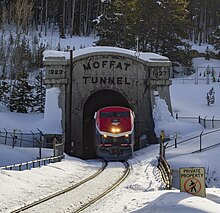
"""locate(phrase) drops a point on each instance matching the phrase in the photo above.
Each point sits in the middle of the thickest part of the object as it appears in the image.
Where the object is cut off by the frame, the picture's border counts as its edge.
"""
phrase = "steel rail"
(110, 189)
(28, 206)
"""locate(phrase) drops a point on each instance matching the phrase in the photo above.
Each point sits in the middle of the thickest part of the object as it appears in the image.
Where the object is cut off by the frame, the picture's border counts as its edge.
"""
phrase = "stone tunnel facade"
(97, 77)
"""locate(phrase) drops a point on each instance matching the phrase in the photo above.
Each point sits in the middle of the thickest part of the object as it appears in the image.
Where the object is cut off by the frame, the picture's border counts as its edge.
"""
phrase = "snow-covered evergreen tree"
(4, 92)
(21, 99)
(40, 91)
(210, 97)
(21, 58)
(216, 39)
(115, 25)
(159, 25)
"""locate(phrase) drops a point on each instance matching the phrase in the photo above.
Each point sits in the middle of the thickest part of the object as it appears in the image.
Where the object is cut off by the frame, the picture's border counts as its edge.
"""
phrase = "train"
(114, 134)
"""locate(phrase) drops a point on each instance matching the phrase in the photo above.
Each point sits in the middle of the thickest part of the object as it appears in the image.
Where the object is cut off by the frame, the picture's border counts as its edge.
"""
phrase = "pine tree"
(159, 25)
(114, 25)
(1, 92)
(21, 99)
(216, 40)
(210, 97)
(13, 98)
(168, 24)
(4, 92)
(184, 56)
(40, 91)
(21, 59)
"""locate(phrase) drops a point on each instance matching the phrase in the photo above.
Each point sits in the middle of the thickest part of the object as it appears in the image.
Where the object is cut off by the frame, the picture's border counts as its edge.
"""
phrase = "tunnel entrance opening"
(96, 101)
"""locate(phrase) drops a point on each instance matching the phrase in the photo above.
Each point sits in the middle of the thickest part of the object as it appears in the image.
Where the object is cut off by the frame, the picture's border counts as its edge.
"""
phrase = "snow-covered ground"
(143, 190)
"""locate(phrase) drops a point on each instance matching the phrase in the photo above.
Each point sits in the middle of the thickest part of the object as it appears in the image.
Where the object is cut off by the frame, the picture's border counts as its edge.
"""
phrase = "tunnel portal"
(96, 77)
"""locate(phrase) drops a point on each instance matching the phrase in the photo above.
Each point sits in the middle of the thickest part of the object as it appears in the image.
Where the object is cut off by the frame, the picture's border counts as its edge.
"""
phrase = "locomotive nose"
(115, 122)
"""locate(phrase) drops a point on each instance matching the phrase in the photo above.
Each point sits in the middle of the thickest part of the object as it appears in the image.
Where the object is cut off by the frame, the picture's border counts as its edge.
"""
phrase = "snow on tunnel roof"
(146, 56)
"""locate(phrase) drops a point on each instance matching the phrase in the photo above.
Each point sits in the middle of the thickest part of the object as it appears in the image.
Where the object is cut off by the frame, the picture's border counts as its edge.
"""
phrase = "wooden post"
(162, 136)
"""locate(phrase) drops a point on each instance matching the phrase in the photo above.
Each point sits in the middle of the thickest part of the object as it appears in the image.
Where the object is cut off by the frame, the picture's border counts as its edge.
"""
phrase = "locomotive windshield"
(115, 114)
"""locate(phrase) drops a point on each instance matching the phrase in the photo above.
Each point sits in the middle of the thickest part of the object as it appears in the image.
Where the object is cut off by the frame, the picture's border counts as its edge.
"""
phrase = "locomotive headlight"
(118, 130)
(115, 130)
(105, 136)
(126, 135)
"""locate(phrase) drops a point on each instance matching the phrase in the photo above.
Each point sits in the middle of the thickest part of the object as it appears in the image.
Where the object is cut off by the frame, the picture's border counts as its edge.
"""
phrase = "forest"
(166, 27)
(199, 19)
(159, 24)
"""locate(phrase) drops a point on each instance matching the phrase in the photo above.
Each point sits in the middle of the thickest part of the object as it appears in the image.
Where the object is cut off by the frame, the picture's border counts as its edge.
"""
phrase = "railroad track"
(56, 194)
(120, 180)
(75, 203)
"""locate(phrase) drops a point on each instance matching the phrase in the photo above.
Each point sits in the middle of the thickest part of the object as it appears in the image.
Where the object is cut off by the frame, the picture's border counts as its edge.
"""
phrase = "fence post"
(32, 138)
(177, 116)
(21, 137)
(40, 150)
(13, 138)
(205, 122)
(41, 136)
(175, 142)
(54, 147)
(6, 136)
(200, 141)
(41, 143)
(213, 122)
(199, 119)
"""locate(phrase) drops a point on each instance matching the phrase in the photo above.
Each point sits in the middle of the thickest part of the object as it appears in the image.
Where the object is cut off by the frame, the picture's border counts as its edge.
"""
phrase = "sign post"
(175, 136)
(192, 181)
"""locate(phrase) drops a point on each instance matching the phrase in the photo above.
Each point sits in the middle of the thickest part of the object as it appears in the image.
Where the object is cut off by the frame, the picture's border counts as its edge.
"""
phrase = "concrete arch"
(106, 54)
(96, 101)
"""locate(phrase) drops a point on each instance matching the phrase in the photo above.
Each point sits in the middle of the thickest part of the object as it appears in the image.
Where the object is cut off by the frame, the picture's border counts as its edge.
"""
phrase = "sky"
(143, 190)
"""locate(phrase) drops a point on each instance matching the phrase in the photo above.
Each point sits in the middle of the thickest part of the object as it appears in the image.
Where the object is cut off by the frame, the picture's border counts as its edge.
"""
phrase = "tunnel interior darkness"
(96, 101)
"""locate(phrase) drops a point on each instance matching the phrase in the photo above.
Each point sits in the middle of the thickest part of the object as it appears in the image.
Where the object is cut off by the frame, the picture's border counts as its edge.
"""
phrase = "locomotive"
(114, 132)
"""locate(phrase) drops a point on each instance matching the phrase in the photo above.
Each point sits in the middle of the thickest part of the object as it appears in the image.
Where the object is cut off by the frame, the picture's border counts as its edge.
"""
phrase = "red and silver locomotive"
(114, 132)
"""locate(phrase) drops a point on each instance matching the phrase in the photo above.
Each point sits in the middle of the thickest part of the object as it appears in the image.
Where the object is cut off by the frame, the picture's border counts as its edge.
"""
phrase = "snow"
(150, 57)
(53, 113)
(143, 190)
(165, 121)
(203, 47)
(52, 39)
(50, 122)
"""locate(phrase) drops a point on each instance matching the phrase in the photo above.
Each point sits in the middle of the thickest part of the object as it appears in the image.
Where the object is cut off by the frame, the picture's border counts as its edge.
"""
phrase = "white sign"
(192, 181)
